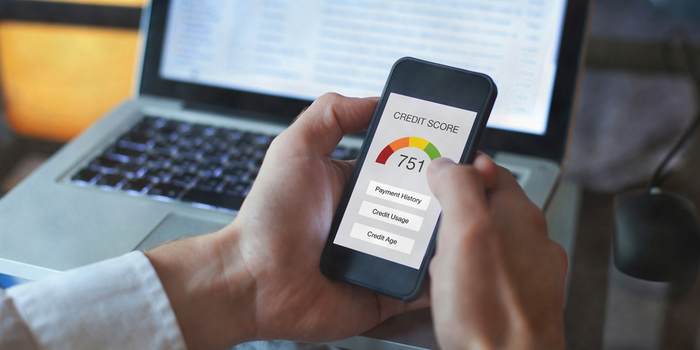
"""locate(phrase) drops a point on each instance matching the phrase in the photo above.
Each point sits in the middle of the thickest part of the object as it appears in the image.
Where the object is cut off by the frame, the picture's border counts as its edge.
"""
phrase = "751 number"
(411, 163)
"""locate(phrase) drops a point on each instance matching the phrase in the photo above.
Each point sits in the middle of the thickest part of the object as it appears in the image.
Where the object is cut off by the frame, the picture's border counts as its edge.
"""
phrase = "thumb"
(459, 189)
(319, 129)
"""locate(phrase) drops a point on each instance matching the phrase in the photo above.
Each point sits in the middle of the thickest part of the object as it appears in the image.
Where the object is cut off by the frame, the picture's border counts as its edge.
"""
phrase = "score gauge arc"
(416, 142)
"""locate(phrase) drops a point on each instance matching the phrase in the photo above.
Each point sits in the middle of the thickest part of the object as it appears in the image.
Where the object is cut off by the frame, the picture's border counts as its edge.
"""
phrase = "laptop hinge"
(165, 102)
(239, 113)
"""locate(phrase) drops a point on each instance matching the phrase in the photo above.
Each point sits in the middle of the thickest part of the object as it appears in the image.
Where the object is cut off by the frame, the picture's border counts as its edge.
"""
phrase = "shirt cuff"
(114, 304)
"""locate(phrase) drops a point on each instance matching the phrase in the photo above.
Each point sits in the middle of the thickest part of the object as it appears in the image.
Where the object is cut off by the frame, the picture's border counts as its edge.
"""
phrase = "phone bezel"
(431, 82)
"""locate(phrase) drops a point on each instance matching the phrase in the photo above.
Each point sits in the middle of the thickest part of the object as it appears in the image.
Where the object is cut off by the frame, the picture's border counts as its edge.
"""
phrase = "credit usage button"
(398, 195)
(382, 238)
(390, 215)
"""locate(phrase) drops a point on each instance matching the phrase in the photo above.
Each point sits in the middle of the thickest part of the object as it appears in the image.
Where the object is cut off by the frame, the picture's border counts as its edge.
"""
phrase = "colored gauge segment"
(416, 142)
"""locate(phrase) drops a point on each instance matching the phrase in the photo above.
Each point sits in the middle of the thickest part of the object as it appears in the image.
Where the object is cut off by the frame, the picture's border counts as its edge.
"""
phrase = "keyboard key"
(138, 146)
(236, 172)
(233, 135)
(234, 189)
(183, 180)
(211, 170)
(338, 154)
(85, 175)
(106, 165)
(152, 121)
(248, 150)
(163, 151)
(157, 175)
(170, 127)
(189, 155)
(136, 185)
(216, 156)
(131, 153)
(209, 131)
(263, 140)
(246, 178)
(185, 143)
(236, 164)
(154, 164)
(110, 180)
(133, 170)
(255, 163)
(208, 185)
(218, 200)
(162, 141)
(207, 145)
(254, 172)
(166, 190)
(139, 131)
(184, 128)
(106, 162)
(231, 178)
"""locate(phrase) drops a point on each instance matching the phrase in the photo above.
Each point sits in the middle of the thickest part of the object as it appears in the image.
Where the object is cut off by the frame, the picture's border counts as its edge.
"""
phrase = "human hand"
(497, 280)
(259, 277)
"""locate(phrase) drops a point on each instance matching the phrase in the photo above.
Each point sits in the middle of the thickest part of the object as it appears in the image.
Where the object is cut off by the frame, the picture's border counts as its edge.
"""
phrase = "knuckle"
(276, 144)
(504, 173)
(531, 215)
(327, 101)
(462, 173)
(561, 258)
(463, 234)
(479, 233)
(328, 97)
(538, 219)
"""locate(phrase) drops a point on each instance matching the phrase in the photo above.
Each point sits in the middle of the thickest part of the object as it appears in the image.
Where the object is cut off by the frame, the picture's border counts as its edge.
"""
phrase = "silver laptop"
(219, 79)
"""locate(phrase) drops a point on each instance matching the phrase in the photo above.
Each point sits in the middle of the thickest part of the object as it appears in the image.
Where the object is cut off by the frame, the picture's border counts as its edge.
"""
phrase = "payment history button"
(382, 238)
(398, 195)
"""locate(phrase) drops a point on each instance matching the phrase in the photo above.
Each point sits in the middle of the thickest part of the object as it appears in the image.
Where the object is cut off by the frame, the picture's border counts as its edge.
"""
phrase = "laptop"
(219, 79)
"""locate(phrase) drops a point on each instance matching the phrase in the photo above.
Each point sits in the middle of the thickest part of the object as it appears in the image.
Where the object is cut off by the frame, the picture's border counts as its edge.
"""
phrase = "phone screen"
(391, 213)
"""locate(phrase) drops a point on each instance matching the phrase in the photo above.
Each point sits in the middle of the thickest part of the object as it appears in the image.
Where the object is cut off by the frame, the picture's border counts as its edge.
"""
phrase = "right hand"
(497, 280)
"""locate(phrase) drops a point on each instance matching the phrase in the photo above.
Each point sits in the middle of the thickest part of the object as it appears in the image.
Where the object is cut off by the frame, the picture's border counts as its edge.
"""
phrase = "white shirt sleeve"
(114, 304)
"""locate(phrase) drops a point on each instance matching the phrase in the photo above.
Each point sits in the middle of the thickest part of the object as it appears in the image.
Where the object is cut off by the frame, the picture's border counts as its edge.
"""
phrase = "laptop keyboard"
(173, 160)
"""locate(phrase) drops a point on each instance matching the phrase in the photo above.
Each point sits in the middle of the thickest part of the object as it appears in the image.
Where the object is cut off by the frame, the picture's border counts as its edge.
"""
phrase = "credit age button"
(382, 238)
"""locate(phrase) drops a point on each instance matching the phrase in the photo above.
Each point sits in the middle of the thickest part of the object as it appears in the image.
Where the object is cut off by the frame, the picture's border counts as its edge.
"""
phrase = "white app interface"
(392, 213)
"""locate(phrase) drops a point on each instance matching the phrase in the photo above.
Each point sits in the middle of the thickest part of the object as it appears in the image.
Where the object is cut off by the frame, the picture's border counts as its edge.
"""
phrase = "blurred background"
(64, 64)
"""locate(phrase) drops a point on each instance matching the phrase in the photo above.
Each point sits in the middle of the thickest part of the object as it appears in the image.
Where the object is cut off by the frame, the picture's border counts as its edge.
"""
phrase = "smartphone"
(383, 232)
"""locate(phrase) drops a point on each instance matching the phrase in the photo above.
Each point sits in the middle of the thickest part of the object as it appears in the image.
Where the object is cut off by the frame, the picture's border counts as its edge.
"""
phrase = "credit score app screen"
(392, 213)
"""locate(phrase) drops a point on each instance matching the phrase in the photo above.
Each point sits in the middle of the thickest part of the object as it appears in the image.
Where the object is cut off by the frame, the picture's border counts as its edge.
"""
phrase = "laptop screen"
(270, 58)
(303, 49)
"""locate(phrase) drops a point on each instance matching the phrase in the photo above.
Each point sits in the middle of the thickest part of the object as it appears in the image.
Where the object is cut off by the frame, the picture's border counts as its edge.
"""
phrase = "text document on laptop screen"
(302, 49)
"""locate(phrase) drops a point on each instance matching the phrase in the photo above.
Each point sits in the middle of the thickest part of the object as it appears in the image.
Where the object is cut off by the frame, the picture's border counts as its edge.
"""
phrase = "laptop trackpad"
(179, 226)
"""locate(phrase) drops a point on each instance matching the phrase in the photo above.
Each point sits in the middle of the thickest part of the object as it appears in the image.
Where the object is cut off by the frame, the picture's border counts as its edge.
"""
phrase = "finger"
(561, 260)
(507, 190)
(422, 302)
(459, 188)
(389, 307)
(511, 207)
(320, 128)
(345, 167)
(488, 169)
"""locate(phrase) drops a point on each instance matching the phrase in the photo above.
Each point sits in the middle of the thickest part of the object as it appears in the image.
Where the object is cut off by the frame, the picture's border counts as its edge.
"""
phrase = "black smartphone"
(383, 232)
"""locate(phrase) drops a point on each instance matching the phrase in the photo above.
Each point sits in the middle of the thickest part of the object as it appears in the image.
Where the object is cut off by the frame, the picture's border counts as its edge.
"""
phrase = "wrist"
(209, 289)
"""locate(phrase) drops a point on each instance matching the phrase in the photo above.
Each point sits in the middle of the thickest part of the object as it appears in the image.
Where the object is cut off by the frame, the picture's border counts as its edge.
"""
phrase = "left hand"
(285, 222)
(259, 277)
